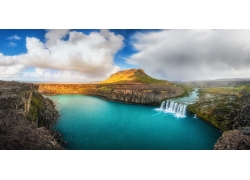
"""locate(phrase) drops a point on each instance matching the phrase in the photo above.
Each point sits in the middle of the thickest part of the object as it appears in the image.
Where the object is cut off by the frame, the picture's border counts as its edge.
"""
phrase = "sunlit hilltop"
(132, 76)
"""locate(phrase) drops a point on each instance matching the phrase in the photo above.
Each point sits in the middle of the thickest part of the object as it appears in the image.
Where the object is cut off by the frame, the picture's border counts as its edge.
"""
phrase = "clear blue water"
(193, 96)
(88, 122)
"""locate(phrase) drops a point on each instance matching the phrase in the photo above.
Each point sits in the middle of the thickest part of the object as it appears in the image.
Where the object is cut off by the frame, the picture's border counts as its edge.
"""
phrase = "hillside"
(132, 76)
(132, 86)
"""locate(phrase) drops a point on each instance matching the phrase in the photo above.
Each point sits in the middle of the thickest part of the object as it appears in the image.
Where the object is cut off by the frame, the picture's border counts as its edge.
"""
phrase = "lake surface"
(90, 123)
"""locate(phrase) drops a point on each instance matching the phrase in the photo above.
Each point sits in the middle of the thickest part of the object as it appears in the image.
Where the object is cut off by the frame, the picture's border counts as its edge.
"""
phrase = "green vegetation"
(218, 106)
(187, 89)
(132, 76)
(35, 107)
(105, 88)
(141, 77)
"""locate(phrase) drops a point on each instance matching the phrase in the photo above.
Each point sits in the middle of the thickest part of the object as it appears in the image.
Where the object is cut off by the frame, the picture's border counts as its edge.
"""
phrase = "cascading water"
(173, 107)
(162, 105)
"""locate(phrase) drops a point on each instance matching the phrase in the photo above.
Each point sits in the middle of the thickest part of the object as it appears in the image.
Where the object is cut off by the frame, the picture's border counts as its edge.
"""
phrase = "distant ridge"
(136, 76)
(233, 79)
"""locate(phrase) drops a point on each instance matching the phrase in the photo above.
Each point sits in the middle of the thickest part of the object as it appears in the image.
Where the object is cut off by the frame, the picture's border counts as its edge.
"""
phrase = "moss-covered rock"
(35, 107)
(218, 106)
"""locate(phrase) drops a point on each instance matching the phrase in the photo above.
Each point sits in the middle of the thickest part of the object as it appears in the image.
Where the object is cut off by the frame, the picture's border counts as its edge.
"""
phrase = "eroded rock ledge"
(147, 94)
(237, 139)
(227, 108)
(26, 118)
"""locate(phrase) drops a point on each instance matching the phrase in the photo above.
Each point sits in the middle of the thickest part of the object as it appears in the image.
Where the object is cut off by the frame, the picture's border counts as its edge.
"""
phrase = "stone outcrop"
(26, 118)
(130, 86)
(228, 110)
(218, 109)
(147, 94)
(237, 139)
(243, 118)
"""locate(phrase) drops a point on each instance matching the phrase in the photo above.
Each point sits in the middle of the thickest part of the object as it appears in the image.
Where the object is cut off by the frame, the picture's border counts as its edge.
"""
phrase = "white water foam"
(178, 109)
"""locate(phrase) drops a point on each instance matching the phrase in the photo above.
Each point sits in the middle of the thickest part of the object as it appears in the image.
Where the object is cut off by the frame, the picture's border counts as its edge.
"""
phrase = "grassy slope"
(132, 76)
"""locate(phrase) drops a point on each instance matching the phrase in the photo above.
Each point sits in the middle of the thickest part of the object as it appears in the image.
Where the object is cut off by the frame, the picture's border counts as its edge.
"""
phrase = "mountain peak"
(135, 76)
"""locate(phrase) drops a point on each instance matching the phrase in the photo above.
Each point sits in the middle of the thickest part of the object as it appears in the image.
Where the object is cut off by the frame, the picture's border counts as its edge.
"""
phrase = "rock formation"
(26, 118)
(147, 94)
(228, 110)
(129, 86)
(237, 139)
(243, 118)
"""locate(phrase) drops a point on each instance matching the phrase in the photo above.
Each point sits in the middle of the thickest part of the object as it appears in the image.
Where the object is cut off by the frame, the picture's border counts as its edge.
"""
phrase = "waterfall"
(162, 105)
(173, 107)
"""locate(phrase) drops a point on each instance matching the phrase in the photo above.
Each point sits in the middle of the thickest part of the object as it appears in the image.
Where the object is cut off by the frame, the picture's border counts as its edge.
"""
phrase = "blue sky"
(7, 49)
(92, 55)
(13, 42)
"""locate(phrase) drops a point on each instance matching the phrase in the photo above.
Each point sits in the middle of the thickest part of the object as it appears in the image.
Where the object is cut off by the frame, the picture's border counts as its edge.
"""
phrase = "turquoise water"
(193, 96)
(88, 122)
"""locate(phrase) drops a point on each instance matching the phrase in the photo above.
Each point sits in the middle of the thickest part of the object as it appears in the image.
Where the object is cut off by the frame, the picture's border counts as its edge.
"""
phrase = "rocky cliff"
(227, 108)
(129, 86)
(243, 117)
(218, 106)
(26, 118)
(237, 139)
(148, 94)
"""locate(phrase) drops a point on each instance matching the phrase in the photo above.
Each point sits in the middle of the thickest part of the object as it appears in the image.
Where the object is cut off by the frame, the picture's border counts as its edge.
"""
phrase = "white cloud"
(41, 74)
(54, 35)
(11, 44)
(11, 72)
(89, 56)
(193, 54)
(15, 37)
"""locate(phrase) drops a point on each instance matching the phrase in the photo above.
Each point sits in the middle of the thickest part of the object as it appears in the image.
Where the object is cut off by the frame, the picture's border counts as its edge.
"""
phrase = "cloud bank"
(193, 54)
(80, 56)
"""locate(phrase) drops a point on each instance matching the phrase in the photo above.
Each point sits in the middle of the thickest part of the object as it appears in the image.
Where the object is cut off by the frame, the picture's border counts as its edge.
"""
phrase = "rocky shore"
(237, 139)
(132, 86)
(26, 118)
(227, 109)
(146, 94)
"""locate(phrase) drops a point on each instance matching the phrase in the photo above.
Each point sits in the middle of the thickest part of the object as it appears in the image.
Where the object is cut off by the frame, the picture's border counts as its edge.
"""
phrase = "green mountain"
(132, 76)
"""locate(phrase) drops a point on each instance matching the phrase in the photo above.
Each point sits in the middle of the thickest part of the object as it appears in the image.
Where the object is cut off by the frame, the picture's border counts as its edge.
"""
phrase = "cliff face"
(243, 118)
(237, 139)
(218, 106)
(129, 86)
(227, 109)
(148, 94)
(26, 118)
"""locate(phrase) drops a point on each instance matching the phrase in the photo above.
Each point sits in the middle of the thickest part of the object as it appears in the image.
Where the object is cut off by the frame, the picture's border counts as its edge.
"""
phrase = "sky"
(91, 55)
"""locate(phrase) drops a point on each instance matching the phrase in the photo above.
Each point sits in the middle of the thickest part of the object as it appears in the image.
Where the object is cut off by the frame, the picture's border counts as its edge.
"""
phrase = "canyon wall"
(26, 118)
(228, 110)
(147, 94)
